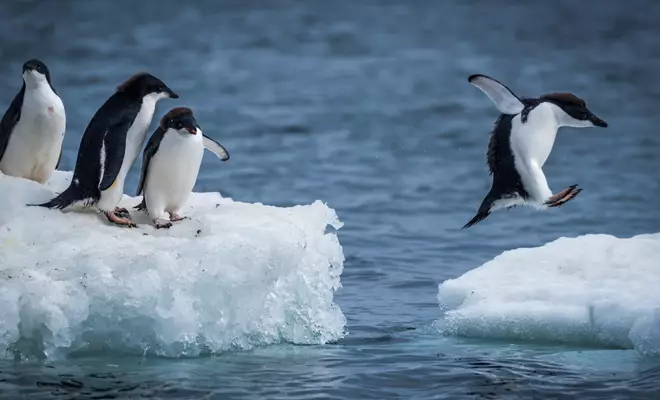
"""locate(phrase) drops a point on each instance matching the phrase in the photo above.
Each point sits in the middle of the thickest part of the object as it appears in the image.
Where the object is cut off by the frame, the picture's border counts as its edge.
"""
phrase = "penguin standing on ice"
(170, 165)
(32, 129)
(521, 142)
(110, 145)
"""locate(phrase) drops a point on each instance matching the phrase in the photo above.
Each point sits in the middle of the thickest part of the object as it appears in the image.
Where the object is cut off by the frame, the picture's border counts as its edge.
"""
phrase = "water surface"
(366, 106)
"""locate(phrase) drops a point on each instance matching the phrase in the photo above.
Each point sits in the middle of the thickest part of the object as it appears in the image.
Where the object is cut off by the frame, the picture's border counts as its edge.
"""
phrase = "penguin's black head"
(181, 119)
(145, 84)
(35, 70)
(576, 112)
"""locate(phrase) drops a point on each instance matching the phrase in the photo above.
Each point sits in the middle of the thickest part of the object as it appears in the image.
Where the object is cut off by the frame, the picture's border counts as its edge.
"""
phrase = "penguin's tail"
(476, 219)
(484, 211)
(142, 206)
(62, 201)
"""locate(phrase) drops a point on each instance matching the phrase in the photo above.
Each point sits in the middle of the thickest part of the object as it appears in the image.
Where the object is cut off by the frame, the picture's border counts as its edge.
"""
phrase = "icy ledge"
(235, 276)
(595, 290)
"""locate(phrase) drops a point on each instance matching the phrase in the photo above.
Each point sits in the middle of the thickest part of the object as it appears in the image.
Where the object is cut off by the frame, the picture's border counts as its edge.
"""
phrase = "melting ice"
(234, 276)
(594, 290)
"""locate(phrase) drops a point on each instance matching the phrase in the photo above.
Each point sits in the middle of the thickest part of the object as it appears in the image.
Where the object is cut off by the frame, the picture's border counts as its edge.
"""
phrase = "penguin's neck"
(137, 133)
(39, 89)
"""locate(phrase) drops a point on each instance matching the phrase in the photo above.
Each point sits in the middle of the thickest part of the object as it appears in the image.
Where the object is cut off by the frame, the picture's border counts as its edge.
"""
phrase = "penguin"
(109, 146)
(170, 164)
(32, 129)
(521, 142)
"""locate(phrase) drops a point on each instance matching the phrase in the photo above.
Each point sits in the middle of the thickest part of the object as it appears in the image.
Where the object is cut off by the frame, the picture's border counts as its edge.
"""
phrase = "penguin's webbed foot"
(120, 220)
(176, 217)
(563, 197)
(162, 224)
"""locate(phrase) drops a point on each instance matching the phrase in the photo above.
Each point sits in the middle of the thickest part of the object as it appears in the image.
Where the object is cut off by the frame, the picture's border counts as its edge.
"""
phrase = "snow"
(234, 276)
(595, 290)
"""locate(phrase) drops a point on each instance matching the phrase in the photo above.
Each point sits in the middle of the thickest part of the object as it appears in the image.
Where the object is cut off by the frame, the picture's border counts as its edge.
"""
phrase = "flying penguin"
(521, 142)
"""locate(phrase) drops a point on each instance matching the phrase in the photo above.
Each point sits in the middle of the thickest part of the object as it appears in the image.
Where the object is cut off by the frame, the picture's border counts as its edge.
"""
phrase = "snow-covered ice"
(595, 290)
(234, 276)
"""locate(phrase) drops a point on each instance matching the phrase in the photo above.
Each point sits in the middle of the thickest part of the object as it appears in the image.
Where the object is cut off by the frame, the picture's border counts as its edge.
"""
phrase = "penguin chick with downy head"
(32, 129)
(170, 164)
(521, 142)
(110, 145)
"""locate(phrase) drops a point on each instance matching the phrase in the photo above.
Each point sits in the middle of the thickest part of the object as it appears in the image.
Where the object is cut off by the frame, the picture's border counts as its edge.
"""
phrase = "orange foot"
(563, 197)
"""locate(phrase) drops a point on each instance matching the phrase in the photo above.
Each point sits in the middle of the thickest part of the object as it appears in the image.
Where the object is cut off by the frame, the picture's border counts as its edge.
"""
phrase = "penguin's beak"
(191, 128)
(597, 121)
(171, 93)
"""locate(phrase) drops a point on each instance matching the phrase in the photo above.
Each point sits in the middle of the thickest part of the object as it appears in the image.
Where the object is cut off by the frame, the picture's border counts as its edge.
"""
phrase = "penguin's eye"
(178, 125)
(161, 88)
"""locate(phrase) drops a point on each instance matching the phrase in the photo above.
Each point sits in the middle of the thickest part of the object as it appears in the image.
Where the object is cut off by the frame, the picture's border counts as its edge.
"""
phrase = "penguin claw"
(165, 225)
(563, 197)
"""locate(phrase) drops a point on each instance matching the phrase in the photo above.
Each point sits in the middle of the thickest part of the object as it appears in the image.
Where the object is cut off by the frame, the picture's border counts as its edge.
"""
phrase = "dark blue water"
(366, 106)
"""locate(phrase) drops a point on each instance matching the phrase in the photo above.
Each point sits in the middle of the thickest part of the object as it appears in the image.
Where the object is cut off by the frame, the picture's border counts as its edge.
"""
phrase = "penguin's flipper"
(152, 147)
(10, 119)
(112, 151)
(505, 100)
(216, 148)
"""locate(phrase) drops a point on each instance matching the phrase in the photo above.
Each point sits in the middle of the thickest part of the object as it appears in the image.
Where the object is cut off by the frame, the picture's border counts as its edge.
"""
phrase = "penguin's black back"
(501, 162)
(119, 111)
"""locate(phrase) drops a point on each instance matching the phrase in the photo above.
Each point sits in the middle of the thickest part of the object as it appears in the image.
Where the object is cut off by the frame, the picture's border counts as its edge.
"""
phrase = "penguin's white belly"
(534, 139)
(173, 172)
(36, 141)
(531, 144)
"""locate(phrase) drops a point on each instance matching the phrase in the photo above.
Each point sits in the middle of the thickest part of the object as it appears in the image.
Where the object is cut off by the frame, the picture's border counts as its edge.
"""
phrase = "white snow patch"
(595, 290)
(234, 276)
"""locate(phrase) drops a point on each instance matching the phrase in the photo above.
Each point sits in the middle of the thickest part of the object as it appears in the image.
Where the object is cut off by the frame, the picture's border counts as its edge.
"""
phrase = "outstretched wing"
(505, 100)
(216, 148)
(10, 119)
(149, 151)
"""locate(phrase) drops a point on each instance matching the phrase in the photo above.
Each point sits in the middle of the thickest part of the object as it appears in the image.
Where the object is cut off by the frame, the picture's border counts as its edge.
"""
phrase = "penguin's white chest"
(173, 171)
(534, 139)
(36, 141)
(136, 135)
